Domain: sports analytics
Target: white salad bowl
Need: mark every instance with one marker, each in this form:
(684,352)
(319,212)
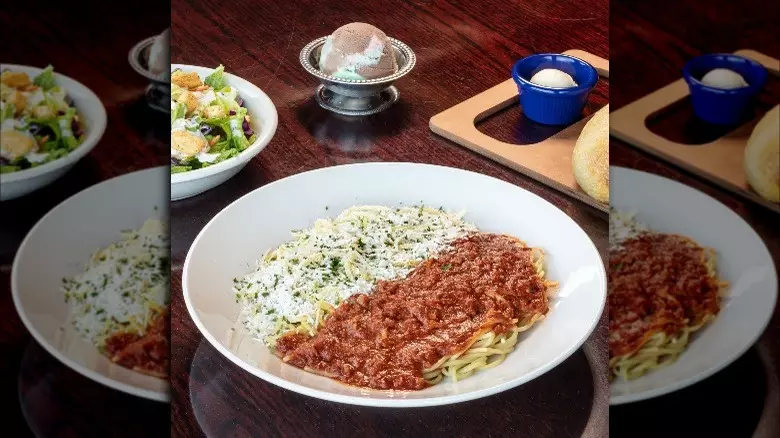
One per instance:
(264,120)
(59,246)
(93,118)
(246,228)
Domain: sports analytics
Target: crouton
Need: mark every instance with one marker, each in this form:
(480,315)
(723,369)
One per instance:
(187,143)
(186,80)
(189,100)
(214,112)
(17,98)
(15,144)
(15,79)
(42,112)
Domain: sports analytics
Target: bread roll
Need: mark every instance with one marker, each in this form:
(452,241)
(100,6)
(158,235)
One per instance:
(590,159)
(762,156)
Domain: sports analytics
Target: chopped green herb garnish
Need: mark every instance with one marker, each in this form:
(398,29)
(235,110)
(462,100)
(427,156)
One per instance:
(335,263)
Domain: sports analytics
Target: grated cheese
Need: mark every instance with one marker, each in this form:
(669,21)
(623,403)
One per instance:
(623,226)
(122,286)
(338,258)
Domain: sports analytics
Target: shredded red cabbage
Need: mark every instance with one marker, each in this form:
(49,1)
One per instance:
(247,129)
(75,127)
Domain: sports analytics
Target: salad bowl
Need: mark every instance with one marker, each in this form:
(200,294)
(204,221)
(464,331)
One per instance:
(92,115)
(263,122)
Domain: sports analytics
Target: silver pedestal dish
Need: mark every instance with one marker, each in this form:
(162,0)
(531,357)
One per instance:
(356,97)
(158,93)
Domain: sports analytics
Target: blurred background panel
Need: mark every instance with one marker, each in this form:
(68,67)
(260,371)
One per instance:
(88,41)
(650,42)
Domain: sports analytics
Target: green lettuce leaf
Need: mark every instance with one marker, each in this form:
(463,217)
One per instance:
(237,136)
(45,79)
(8,111)
(180,169)
(216,80)
(178,112)
(66,134)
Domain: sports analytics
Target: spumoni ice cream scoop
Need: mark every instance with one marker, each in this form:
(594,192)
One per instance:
(358,51)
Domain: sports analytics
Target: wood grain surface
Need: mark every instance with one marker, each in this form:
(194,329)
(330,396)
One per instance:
(650,41)
(720,161)
(548,161)
(88,41)
(462,49)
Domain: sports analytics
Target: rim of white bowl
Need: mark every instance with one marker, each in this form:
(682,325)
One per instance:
(96,130)
(81,369)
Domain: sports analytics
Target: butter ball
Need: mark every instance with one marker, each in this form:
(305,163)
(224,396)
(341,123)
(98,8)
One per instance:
(724,78)
(553,78)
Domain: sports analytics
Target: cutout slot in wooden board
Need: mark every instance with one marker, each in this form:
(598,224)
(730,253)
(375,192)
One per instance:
(720,161)
(548,161)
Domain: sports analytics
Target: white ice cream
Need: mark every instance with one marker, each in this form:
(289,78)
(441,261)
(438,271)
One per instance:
(160,56)
(724,78)
(553,78)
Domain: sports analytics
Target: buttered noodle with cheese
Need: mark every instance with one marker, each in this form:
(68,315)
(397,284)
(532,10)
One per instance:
(120,302)
(298,282)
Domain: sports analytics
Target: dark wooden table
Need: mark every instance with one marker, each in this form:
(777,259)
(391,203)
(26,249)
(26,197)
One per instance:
(649,43)
(463,48)
(89,42)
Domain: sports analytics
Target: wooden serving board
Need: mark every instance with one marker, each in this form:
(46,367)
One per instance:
(720,161)
(548,161)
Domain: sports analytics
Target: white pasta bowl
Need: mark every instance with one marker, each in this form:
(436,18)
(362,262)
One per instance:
(93,116)
(742,260)
(59,245)
(264,120)
(229,245)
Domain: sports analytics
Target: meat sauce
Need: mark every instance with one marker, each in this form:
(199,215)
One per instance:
(384,340)
(148,354)
(657,282)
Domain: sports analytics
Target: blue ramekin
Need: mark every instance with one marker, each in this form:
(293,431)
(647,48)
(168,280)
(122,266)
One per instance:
(554,106)
(720,106)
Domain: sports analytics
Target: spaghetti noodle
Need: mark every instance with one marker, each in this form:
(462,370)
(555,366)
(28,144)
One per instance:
(662,289)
